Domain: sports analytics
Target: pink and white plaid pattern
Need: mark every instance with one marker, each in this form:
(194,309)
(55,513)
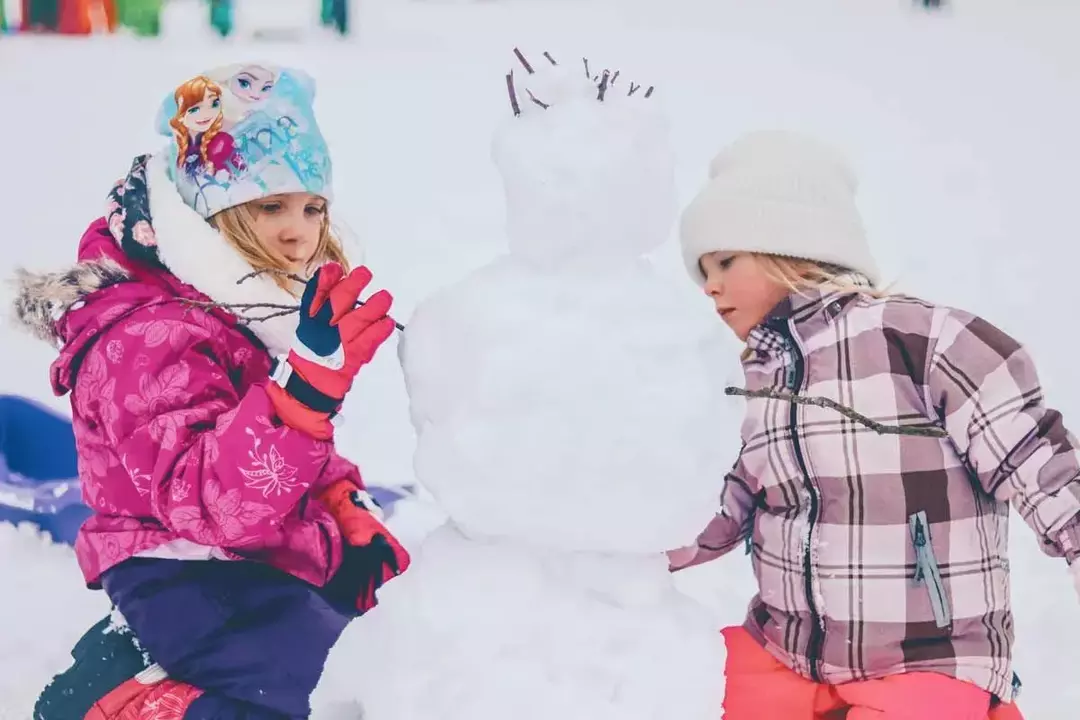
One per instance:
(876,553)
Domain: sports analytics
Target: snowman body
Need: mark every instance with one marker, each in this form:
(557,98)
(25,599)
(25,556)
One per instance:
(572,426)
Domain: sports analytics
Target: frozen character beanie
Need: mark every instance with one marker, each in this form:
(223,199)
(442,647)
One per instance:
(243,132)
(779,193)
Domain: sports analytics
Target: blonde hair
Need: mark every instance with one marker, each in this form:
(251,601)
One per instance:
(236,225)
(799,275)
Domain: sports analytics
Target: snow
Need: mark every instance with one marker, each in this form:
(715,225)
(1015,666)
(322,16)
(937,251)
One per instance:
(961,126)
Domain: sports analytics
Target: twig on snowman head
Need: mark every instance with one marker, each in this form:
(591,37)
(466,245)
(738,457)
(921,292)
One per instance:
(603,86)
(536,100)
(588,74)
(549,58)
(649,92)
(615,76)
(513,94)
(524,62)
(633,88)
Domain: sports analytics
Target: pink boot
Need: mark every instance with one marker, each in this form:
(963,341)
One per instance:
(150,695)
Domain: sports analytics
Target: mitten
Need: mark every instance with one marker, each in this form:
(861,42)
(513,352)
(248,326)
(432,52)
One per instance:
(334,339)
(372,555)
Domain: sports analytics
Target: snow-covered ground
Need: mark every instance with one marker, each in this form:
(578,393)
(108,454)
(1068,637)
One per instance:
(962,125)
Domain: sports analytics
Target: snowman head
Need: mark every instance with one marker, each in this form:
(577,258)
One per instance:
(586,165)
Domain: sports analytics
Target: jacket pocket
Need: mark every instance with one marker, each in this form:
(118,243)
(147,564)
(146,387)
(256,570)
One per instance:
(926,569)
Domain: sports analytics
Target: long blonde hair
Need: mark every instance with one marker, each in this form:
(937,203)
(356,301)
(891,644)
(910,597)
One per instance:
(799,275)
(236,225)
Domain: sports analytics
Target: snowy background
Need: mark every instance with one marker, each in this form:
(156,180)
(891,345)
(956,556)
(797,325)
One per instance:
(962,125)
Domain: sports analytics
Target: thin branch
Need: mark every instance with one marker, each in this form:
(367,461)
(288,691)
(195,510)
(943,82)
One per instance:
(536,100)
(648,93)
(588,73)
(524,62)
(243,310)
(615,76)
(633,88)
(272,271)
(603,86)
(928,430)
(513,94)
(549,58)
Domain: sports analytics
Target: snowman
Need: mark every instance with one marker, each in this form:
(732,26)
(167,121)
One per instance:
(570,420)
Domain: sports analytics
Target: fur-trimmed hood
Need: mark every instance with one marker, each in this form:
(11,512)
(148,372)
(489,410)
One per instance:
(150,237)
(43,298)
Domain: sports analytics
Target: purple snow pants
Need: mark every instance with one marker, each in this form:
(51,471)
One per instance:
(253,638)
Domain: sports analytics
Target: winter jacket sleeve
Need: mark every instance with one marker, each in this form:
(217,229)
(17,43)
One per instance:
(984,386)
(729,527)
(212,466)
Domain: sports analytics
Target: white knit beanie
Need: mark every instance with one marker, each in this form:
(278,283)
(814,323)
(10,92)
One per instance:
(779,193)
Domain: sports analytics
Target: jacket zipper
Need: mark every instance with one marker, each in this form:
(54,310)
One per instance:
(927,571)
(794,380)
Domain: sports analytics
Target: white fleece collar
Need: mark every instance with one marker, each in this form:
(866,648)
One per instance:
(195,253)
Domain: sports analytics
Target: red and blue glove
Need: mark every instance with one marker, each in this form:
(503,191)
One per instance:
(334,339)
(372,556)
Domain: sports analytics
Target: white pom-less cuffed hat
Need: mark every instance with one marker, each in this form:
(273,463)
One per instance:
(778,193)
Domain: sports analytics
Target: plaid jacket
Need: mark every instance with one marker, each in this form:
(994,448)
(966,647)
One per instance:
(879,553)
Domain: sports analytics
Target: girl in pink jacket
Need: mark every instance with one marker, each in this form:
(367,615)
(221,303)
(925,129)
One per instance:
(884,441)
(206,372)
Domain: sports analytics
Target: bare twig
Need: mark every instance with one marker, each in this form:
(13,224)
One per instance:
(603,86)
(524,62)
(648,93)
(927,430)
(536,100)
(549,58)
(243,310)
(615,77)
(271,271)
(513,94)
(633,88)
(588,73)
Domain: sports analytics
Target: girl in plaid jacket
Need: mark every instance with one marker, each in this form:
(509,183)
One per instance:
(884,440)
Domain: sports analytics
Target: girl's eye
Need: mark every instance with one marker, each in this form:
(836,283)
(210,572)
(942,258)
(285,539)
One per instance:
(315,210)
(193,109)
(244,83)
(270,207)
(267,88)
(727,262)
(216,103)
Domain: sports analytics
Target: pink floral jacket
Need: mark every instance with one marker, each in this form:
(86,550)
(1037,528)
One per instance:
(180,454)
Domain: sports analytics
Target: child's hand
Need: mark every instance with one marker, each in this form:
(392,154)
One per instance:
(677,559)
(334,339)
(372,555)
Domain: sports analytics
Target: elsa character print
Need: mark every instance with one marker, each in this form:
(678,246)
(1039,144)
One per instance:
(252,84)
(203,147)
(244,90)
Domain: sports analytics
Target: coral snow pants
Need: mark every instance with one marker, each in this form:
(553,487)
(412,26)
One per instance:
(759,687)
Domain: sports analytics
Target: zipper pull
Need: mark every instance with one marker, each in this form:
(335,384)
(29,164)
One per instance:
(920,535)
(789,378)
(919,540)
